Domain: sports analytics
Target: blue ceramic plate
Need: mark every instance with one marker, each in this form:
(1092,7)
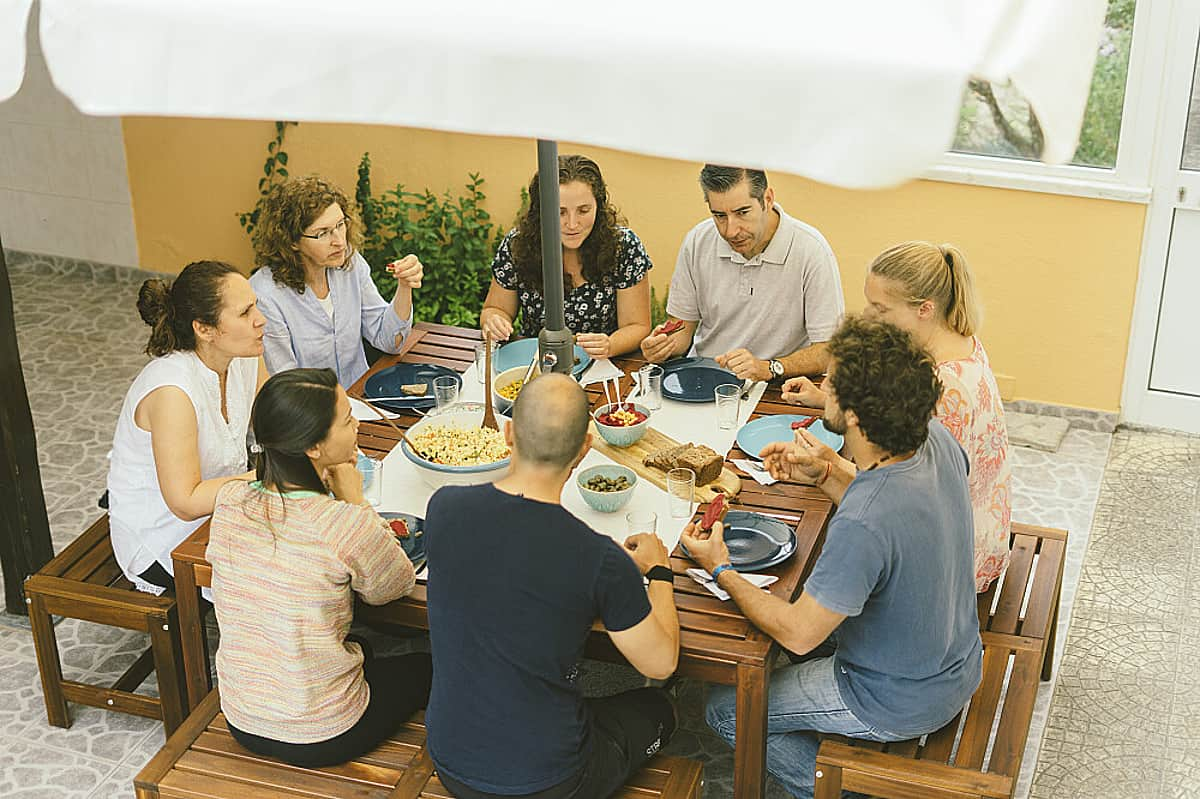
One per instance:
(753,436)
(522,351)
(387,384)
(414,545)
(694,379)
(756,541)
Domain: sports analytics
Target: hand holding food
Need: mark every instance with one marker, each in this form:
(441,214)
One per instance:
(715,513)
(709,551)
(659,346)
(596,345)
(804,424)
(802,391)
(647,551)
(408,271)
(806,458)
(743,364)
(673,326)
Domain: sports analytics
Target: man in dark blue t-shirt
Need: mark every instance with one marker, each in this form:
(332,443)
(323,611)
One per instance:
(895,578)
(515,585)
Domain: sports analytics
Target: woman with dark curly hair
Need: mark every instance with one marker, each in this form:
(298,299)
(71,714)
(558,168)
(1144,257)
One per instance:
(315,287)
(606,294)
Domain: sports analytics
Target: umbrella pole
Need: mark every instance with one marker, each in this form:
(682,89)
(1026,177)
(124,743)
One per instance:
(555,342)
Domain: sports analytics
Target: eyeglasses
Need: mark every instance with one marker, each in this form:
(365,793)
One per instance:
(324,233)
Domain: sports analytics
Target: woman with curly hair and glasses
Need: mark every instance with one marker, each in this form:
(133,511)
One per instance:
(606,294)
(314,287)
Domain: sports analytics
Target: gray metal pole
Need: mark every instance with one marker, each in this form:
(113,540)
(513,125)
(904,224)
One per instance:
(556,344)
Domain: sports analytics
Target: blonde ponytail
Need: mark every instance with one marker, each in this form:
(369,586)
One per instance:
(940,274)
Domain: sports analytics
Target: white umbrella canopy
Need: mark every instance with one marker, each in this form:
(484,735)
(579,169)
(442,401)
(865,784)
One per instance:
(857,94)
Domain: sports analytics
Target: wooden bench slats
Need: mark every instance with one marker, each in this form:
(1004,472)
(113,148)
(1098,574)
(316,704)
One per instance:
(1016,579)
(1009,746)
(1043,599)
(223,745)
(972,744)
(258,774)
(939,745)
(85,566)
(926,775)
(186,785)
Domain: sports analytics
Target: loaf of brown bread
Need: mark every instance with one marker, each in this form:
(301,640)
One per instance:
(702,460)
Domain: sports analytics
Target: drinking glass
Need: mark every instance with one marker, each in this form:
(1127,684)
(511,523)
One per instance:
(445,391)
(372,474)
(641,521)
(481,358)
(650,386)
(727,405)
(681,491)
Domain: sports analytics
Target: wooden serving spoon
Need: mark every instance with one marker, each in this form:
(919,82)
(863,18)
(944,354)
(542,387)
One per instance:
(393,425)
(489,413)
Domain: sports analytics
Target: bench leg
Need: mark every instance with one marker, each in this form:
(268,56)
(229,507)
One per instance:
(45,643)
(750,753)
(1051,634)
(168,665)
(828,782)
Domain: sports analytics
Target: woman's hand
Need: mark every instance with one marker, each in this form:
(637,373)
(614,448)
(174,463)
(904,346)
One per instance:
(596,345)
(345,481)
(408,272)
(496,326)
(802,391)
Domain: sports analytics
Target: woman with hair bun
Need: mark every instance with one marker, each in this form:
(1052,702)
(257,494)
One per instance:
(315,287)
(928,290)
(181,433)
(293,683)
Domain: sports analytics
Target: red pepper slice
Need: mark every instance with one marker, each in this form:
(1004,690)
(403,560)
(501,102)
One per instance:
(671,327)
(716,511)
(399,527)
(804,423)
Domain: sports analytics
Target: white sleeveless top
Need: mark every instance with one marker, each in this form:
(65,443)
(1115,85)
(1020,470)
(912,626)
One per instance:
(144,529)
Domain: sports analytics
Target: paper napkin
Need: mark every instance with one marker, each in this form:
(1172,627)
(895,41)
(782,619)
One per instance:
(600,370)
(706,580)
(363,412)
(749,467)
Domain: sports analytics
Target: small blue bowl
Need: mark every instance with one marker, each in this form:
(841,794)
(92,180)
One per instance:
(606,501)
(621,436)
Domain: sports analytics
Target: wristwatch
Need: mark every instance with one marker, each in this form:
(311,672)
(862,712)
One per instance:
(776,367)
(661,573)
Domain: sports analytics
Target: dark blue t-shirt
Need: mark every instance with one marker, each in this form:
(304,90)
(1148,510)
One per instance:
(899,562)
(514,587)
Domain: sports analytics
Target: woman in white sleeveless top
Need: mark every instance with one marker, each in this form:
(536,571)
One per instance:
(181,434)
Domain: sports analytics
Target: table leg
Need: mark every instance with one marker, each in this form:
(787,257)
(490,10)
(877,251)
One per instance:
(191,634)
(750,752)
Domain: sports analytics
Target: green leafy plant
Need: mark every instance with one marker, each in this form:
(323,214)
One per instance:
(274,171)
(658,310)
(453,236)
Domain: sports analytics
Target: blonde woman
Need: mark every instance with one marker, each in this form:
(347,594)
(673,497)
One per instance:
(928,290)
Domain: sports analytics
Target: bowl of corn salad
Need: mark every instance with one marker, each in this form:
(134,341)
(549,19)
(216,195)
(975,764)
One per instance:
(452,449)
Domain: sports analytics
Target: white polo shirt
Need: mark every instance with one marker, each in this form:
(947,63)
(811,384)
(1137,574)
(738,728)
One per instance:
(784,299)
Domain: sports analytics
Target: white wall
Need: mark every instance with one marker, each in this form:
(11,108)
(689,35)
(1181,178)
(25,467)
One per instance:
(63,185)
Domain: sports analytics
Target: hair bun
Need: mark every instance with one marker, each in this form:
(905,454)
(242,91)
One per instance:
(154,301)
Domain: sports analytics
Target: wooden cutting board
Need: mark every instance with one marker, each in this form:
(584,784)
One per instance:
(653,441)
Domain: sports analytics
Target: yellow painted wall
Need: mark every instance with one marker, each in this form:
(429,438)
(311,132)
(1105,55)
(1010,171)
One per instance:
(1057,274)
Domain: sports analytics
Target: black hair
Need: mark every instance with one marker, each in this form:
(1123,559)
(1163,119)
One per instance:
(170,308)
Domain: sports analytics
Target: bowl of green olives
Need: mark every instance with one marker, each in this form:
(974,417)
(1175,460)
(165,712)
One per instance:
(607,487)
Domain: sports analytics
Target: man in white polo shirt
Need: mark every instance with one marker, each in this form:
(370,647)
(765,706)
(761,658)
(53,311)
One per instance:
(756,289)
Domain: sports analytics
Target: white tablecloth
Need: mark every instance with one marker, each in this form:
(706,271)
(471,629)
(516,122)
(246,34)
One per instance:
(405,490)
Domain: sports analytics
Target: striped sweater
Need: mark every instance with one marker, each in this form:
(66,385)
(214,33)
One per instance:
(285,571)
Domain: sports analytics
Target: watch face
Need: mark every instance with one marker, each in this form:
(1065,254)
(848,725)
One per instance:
(776,368)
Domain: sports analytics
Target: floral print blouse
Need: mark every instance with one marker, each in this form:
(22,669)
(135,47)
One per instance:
(589,308)
(970,408)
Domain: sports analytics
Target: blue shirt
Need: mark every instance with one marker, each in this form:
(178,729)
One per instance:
(899,563)
(299,332)
(514,586)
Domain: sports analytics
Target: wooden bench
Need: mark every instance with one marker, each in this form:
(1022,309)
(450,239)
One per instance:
(85,582)
(203,760)
(1018,629)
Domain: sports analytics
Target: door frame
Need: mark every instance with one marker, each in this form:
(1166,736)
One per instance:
(1140,404)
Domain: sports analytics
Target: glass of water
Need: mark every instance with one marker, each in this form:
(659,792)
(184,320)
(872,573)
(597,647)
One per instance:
(481,358)
(445,391)
(641,521)
(650,386)
(372,475)
(681,491)
(727,405)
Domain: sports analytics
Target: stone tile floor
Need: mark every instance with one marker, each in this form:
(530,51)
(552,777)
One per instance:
(1126,691)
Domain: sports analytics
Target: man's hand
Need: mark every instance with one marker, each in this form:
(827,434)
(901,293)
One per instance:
(345,481)
(596,345)
(658,346)
(743,364)
(707,550)
(802,391)
(408,271)
(805,458)
(495,325)
(647,551)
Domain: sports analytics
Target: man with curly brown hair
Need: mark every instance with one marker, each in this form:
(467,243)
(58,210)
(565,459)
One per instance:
(895,582)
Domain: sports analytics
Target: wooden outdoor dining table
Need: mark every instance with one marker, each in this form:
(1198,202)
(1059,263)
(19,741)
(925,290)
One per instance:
(717,643)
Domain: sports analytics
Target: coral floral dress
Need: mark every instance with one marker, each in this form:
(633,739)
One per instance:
(970,408)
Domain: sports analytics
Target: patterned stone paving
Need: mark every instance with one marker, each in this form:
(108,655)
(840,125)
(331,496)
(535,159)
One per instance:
(1129,680)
